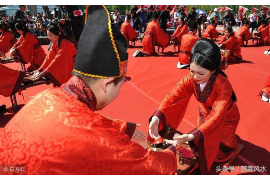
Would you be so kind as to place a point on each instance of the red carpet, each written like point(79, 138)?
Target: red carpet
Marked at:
point(154, 77)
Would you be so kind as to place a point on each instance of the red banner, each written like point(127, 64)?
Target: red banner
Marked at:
point(266, 9)
point(254, 9)
point(242, 10)
point(222, 9)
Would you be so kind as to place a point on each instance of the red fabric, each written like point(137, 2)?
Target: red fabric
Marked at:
point(210, 32)
point(54, 133)
point(242, 10)
point(129, 33)
point(8, 80)
point(77, 13)
point(154, 35)
point(222, 9)
point(243, 34)
point(187, 42)
point(254, 9)
point(233, 46)
point(162, 7)
point(7, 40)
point(60, 60)
point(180, 31)
point(266, 9)
point(30, 51)
point(264, 34)
point(218, 115)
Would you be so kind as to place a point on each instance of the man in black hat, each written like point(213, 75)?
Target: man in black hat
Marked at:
point(58, 132)
point(187, 42)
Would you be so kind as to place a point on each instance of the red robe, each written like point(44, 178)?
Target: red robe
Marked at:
point(233, 46)
point(154, 35)
point(129, 33)
point(215, 138)
point(10, 81)
point(180, 31)
point(210, 32)
point(266, 90)
point(243, 34)
point(30, 51)
point(7, 40)
point(264, 34)
point(187, 42)
point(57, 132)
point(59, 61)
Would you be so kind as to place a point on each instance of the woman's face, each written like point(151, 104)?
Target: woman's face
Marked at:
point(52, 37)
point(19, 31)
point(200, 74)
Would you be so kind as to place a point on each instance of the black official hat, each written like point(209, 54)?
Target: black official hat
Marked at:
point(192, 24)
point(102, 48)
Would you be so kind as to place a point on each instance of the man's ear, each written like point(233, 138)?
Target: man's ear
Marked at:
point(105, 83)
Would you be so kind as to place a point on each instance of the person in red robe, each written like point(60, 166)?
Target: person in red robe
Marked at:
point(264, 33)
point(187, 42)
point(181, 29)
point(126, 29)
point(154, 35)
point(7, 39)
point(10, 80)
point(28, 48)
point(58, 130)
point(59, 62)
point(214, 139)
point(230, 43)
point(211, 31)
point(243, 33)
point(265, 92)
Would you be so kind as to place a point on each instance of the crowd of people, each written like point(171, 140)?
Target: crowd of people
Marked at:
point(87, 65)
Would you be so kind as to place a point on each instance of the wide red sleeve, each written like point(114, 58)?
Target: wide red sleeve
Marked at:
point(177, 31)
point(173, 108)
point(208, 135)
point(260, 28)
point(214, 32)
point(61, 56)
point(123, 156)
point(4, 44)
point(247, 34)
point(10, 80)
point(162, 37)
point(229, 43)
point(132, 34)
point(24, 48)
point(223, 39)
point(49, 57)
point(183, 31)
